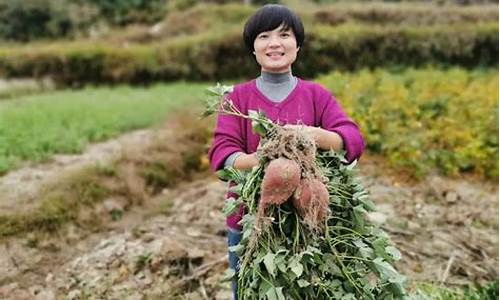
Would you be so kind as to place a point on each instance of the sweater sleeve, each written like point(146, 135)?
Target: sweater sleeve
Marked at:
point(334, 119)
point(228, 139)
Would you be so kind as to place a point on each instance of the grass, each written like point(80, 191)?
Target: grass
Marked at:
point(427, 291)
point(34, 128)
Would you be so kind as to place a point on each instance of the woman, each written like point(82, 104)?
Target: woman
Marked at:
point(274, 35)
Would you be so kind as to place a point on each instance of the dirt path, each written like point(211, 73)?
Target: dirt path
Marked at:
point(19, 188)
point(173, 245)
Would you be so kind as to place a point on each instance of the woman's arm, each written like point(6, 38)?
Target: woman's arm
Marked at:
point(327, 140)
point(334, 120)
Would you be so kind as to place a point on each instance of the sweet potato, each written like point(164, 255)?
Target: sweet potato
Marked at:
point(311, 199)
point(302, 197)
point(319, 200)
point(281, 178)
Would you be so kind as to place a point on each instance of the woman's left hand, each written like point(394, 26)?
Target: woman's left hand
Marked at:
point(325, 139)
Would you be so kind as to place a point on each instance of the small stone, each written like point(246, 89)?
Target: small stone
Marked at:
point(148, 237)
point(451, 197)
point(74, 294)
point(195, 253)
point(49, 278)
point(413, 226)
point(45, 295)
point(223, 295)
point(172, 251)
point(193, 232)
point(113, 205)
point(115, 263)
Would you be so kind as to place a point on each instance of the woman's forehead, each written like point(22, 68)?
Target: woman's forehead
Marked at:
point(281, 28)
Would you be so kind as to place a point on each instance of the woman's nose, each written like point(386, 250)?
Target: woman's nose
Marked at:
point(274, 42)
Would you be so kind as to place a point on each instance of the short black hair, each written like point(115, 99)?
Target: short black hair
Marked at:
point(270, 17)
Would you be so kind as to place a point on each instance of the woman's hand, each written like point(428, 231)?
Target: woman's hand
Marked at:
point(324, 139)
point(246, 161)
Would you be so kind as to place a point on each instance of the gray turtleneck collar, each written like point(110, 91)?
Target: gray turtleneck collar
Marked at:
point(276, 86)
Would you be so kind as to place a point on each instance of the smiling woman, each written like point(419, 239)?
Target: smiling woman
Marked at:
point(274, 35)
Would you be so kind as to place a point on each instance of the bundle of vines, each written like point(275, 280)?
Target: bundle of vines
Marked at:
point(305, 234)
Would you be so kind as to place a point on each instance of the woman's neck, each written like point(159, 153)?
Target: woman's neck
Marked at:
point(276, 77)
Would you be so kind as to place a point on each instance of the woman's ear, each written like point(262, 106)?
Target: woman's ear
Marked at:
point(253, 52)
point(298, 48)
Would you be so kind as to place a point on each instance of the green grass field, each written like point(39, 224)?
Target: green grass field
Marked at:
point(36, 127)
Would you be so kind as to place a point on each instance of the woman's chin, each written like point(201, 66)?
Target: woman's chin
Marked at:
point(276, 68)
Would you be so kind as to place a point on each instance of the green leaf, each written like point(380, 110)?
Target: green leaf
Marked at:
point(264, 288)
point(388, 272)
point(231, 206)
point(393, 252)
point(228, 275)
point(296, 267)
point(329, 261)
point(219, 89)
point(247, 232)
point(379, 246)
point(259, 128)
point(236, 189)
point(359, 219)
point(238, 249)
point(368, 204)
point(280, 260)
point(231, 174)
point(279, 293)
point(349, 296)
point(271, 294)
point(303, 283)
point(269, 263)
point(364, 250)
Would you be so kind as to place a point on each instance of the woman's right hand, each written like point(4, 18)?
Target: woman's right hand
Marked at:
point(246, 161)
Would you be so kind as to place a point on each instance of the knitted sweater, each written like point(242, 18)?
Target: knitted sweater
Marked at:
point(309, 104)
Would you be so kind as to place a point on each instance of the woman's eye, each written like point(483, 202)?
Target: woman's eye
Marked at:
point(263, 36)
point(285, 34)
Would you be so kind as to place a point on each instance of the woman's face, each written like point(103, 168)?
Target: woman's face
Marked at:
point(276, 50)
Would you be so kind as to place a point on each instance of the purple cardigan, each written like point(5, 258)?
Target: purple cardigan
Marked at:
point(309, 103)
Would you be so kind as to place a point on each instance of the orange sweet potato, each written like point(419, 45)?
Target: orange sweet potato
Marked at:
point(302, 197)
point(311, 199)
point(281, 178)
point(319, 200)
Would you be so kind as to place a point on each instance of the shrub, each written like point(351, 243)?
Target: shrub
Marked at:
point(32, 19)
point(404, 14)
point(425, 119)
point(221, 54)
point(121, 12)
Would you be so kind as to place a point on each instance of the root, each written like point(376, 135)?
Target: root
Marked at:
point(295, 145)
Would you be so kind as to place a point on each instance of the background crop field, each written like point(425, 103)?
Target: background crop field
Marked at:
point(424, 119)
point(38, 126)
